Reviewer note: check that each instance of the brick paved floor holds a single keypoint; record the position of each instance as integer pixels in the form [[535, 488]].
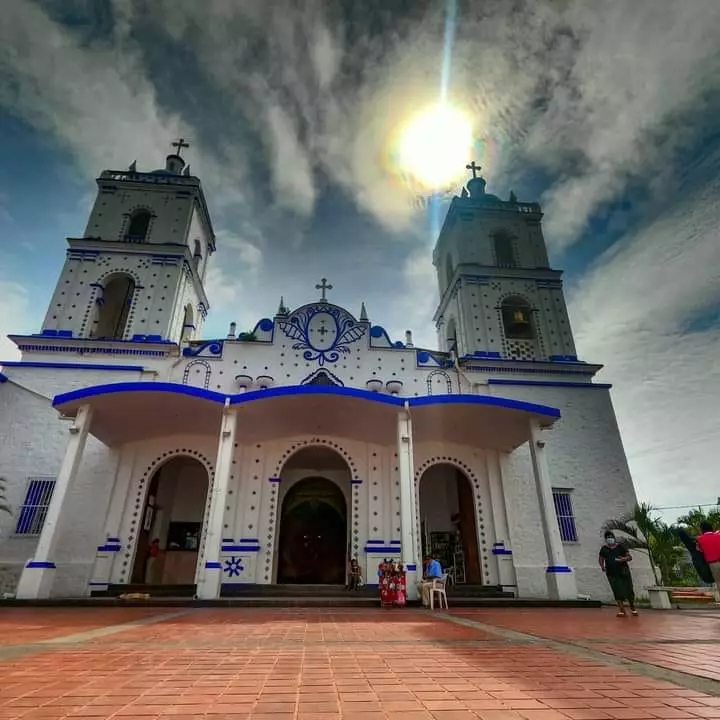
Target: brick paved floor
[[688, 642], [345, 664]]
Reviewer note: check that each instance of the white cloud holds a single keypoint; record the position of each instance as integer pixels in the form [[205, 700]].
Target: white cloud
[[633, 312], [15, 317]]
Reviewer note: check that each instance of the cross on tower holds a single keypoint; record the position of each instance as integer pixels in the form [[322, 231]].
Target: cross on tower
[[180, 144], [475, 168], [323, 286]]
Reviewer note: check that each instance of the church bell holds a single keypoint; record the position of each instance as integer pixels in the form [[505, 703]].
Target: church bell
[[520, 320]]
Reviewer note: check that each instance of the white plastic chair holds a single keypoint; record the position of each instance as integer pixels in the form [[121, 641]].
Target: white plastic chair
[[438, 587]]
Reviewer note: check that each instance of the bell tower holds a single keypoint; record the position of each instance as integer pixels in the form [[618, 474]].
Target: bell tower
[[498, 294], [139, 270]]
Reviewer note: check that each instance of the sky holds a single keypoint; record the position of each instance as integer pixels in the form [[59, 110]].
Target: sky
[[605, 112]]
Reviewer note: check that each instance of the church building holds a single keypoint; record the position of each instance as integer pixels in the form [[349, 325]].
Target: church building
[[137, 453]]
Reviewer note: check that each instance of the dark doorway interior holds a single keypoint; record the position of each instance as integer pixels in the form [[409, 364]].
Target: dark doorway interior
[[313, 534]]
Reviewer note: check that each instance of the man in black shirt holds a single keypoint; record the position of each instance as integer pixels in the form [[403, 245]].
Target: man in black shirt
[[614, 559]]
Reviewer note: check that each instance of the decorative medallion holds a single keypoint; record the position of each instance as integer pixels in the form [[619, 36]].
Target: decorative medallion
[[234, 567], [322, 331]]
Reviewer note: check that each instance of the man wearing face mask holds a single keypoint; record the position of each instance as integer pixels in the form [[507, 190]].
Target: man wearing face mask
[[614, 559]]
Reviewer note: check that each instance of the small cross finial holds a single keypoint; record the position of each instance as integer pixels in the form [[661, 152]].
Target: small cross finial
[[323, 287], [180, 144], [475, 168]]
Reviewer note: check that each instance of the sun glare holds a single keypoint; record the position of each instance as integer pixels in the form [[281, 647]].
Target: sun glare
[[435, 145]]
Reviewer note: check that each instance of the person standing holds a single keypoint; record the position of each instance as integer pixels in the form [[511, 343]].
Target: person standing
[[708, 543], [614, 558]]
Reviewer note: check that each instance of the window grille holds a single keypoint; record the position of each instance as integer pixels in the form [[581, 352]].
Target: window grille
[[35, 507], [565, 515]]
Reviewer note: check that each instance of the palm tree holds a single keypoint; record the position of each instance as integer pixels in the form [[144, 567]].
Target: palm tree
[[644, 532], [692, 520]]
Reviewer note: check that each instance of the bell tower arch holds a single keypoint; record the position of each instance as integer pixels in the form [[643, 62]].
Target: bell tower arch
[[140, 267], [498, 293]]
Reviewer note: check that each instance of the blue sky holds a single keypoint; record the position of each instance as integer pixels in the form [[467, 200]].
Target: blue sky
[[604, 112]]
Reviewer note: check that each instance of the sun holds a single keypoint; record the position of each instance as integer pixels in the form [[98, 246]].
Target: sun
[[434, 146]]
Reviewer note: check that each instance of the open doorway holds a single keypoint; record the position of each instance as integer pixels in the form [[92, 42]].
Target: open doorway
[[448, 524], [172, 522], [313, 534]]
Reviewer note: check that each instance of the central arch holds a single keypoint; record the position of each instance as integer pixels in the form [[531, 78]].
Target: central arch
[[314, 524]]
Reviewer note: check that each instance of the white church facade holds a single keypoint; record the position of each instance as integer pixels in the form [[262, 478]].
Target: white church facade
[[136, 453]]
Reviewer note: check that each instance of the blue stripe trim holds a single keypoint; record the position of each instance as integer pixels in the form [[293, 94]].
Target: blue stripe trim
[[382, 549], [240, 548], [356, 482], [39, 564], [558, 569], [501, 551], [75, 366], [212, 565], [411, 567], [109, 548], [3, 378], [254, 541], [302, 390], [550, 383], [274, 479], [113, 539], [375, 542], [98, 583]]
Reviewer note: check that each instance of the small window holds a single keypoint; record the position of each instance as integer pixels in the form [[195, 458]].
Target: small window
[[34, 510], [197, 255], [504, 251], [139, 226], [517, 319], [565, 515]]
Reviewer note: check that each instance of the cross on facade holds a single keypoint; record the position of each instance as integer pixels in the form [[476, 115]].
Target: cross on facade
[[180, 144], [475, 168], [324, 287]]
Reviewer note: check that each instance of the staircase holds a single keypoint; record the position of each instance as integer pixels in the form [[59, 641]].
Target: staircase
[[299, 596]]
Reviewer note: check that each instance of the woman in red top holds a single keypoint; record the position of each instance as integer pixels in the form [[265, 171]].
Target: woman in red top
[[708, 543]]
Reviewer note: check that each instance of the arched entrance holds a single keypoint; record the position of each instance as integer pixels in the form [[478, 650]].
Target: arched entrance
[[313, 529], [448, 523], [173, 515]]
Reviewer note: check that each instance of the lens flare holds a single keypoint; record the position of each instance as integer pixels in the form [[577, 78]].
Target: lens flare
[[435, 145]]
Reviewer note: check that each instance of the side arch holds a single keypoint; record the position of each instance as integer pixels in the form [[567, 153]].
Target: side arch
[[475, 486], [134, 509]]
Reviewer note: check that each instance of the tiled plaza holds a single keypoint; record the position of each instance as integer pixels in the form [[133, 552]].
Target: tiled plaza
[[507, 664]]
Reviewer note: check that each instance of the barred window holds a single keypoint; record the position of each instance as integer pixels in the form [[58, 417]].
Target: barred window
[[565, 515], [35, 507]]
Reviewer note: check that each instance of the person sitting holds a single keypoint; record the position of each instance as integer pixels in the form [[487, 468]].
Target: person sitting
[[355, 578], [433, 571]]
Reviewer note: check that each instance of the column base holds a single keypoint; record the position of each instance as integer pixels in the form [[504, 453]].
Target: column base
[[210, 581], [36, 580], [561, 583], [411, 580], [506, 566]]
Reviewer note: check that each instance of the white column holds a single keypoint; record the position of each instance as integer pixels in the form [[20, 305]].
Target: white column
[[38, 574], [502, 551], [560, 578], [211, 571], [109, 553], [406, 468]]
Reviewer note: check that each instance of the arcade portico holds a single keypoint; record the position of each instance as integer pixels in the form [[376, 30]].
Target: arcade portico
[[346, 427]]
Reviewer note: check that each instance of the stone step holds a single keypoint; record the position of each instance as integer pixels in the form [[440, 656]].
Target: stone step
[[294, 602]]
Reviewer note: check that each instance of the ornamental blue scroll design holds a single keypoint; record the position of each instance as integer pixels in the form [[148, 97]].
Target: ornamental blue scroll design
[[208, 349], [322, 331]]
